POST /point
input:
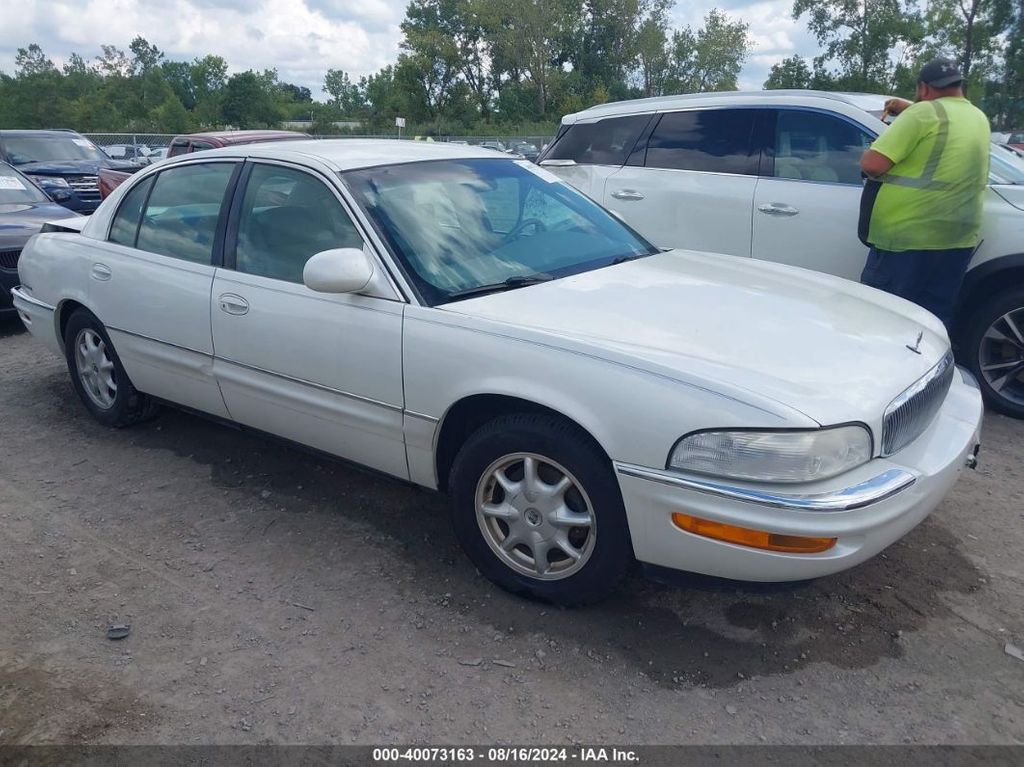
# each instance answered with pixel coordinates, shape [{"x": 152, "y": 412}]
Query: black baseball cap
[{"x": 940, "y": 73}]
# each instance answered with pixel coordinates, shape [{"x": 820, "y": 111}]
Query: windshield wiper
[{"x": 519, "y": 281}]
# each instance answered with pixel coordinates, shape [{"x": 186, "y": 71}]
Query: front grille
[
  {"x": 86, "y": 187},
  {"x": 912, "y": 412},
  {"x": 9, "y": 258}
]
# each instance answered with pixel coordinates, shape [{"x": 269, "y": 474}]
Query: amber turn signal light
[{"x": 757, "y": 539}]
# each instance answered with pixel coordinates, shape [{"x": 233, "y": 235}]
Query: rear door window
[
  {"x": 605, "y": 142},
  {"x": 126, "y": 220},
  {"x": 183, "y": 211},
  {"x": 811, "y": 146},
  {"x": 712, "y": 140}
]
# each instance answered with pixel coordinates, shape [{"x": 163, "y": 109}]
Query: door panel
[
  {"x": 150, "y": 282},
  {"x": 322, "y": 370},
  {"x": 805, "y": 213},
  {"x": 818, "y": 231},
  {"x": 684, "y": 209},
  {"x": 157, "y": 310}
]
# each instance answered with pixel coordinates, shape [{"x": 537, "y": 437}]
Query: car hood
[
  {"x": 73, "y": 167},
  {"x": 19, "y": 221},
  {"x": 831, "y": 349}
]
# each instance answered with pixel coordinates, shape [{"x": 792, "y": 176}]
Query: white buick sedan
[{"x": 465, "y": 321}]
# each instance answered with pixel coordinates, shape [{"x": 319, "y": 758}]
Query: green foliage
[{"x": 789, "y": 73}]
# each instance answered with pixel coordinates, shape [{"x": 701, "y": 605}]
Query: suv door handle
[
  {"x": 777, "y": 209},
  {"x": 233, "y": 304},
  {"x": 627, "y": 194},
  {"x": 101, "y": 272}
]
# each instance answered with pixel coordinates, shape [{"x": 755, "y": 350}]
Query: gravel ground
[{"x": 276, "y": 597}]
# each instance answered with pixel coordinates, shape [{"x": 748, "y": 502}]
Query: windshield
[
  {"x": 460, "y": 225},
  {"x": 15, "y": 188},
  {"x": 1006, "y": 168},
  {"x": 42, "y": 148}
]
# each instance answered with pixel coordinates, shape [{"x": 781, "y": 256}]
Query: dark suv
[{"x": 64, "y": 164}]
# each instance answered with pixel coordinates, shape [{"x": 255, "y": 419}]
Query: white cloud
[{"x": 302, "y": 39}]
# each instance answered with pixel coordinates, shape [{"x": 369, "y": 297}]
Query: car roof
[
  {"x": 350, "y": 154},
  {"x": 867, "y": 101},
  {"x": 227, "y": 137},
  {"x": 52, "y": 132}
]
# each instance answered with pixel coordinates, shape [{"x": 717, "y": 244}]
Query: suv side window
[
  {"x": 605, "y": 142},
  {"x": 178, "y": 146},
  {"x": 183, "y": 209},
  {"x": 712, "y": 140},
  {"x": 812, "y": 146},
  {"x": 286, "y": 217},
  {"x": 125, "y": 226}
]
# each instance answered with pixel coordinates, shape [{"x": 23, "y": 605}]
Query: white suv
[{"x": 775, "y": 175}]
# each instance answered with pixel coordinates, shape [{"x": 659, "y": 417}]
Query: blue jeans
[{"x": 929, "y": 278}]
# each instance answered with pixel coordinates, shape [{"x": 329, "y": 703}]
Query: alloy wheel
[
  {"x": 536, "y": 516},
  {"x": 95, "y": 368}
]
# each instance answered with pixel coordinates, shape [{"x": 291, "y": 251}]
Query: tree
[
  {"x": 970, "y": 30},
  {"x": 709, "y": 59},
  {"x": 32, "y": 61},
  {"x": 653, "y": 55},
  {"x": 145, "y": 56},
  {"x": 113, "y": 62},
  {"x": 297, "y": 93},
  {"x": 789, "y": 73},
  {"x": 526, "y": 39},
  {"x": 859, "y": 35},
  {"x": 248, "y": 100},
  {"x": 347, "y": 96}
]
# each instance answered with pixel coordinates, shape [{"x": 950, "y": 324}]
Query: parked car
[
  {"x": 1016, "y": 140},
  {"x": 497, "y": 146},
  {"x": 64, "y": 164},
  {"x": 775, "y": 175},
  {"x": 465, "y": 322},
  {"x": 137, "y": 153},
  {"x": 199, "y": 142},
  {"x": 525, "y": 149},
  {"x": 23, "y": 210}
]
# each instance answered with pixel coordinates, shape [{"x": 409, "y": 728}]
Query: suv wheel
[
  {"x": 995, "y": 345},
  {"x": 537, "y": 508}
]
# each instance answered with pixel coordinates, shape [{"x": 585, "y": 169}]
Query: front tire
[
  {"x": 994, "y": 344},
  {"x": 98, "y": 375},
  {"x": 536, "y": 507}
]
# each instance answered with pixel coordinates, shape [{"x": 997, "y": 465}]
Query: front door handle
[
  {"x": 100, "y": 272},
  {"x": 627, "y": 194},
  {"x": 233, "y": 304},
  {"x": 777, "y": 209}
]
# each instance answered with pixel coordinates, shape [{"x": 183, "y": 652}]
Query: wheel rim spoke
[
  {"x": 566, "y": 518},
  {"x": 1008, "y": 319},
  {"x": 1000, "y": 382},
  {"x": 562, "y": 541},
  {"x": 540, "y": 551}
]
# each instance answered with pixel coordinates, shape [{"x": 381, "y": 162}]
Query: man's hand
[{"x": 894, "y": 107}]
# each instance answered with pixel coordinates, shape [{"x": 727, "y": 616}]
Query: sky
[{"x": 302, "y": 39}]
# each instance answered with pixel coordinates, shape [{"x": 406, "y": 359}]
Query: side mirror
[{"x": 341, "y": 270}]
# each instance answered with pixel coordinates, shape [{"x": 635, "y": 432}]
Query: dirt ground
[{"x": 276, "y": 597}]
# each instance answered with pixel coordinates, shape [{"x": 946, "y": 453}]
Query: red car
[{"x": 109, "y": 180}]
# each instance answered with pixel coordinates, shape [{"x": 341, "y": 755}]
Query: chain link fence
[{"x": 140, "y": 146}]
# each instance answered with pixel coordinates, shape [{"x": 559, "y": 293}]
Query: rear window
[
  {"x": 714, "y": 140},
  {"x": 605, "y": 142}
]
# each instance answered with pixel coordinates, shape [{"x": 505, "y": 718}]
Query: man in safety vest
[{"x": 922, "y": 205}]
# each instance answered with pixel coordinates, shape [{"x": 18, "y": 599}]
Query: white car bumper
[
  {"x": 37, "y": 317},
  {"x": 866, "y": 510}
]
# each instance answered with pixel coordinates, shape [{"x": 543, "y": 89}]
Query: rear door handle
[
  {"x": 627, "y": 194},
  {"x": 777, "y": 209},
  {"x": 101, "y": 272},
  {"x": 233, "y": 304}
]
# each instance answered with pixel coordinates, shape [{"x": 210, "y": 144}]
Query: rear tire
[
  {"x": 994, "y": 347},
  {"x": 536, "y": 506},
  {"x": 98, "y": 375}
]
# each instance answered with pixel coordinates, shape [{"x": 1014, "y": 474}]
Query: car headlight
[
  {"x": 54, "y": 181},
  {"x": 773, "y": 456}
]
